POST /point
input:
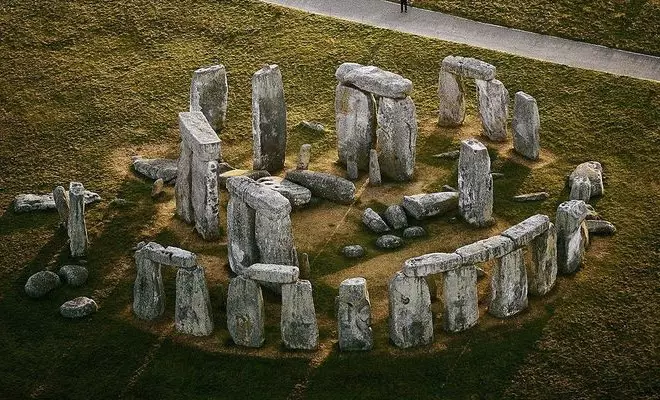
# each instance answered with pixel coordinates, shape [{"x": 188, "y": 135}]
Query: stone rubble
[
  {"x": 414, "y": 232},
  {"x": 39, "y": 284},
  {"x": 389, "y": 242},
  {"x": 395, "y": 216},
  {"x": 78, "y": 308},
  {"x": 353, "y": 251},
  {"x": 73, "y": 275}
]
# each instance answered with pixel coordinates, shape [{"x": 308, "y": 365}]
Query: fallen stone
[
  {"x": 354, "y": 316},
  {"x": 396, "y": 217},
  {"x": 469, "y": 67},
  {"x": 459, "y": 292},
  {"x": 525, "y": 231},
  {"x": 199, "y": 136},
  {"x": 272, "y": 273},
  {"x": 245, "y": 312},
  {"x": 241, "y": 241},
  {"x": 389, "y": 242},
  {"x": 120, "y": 203},
  {"x": 297, "y": 195},
  {"x": 475, "y": 184},
  {"x": 312, "y": 126},
  {"x": 76, "y": 227},
  {"x": 325, "y": 186},
  {"x": 543, "y": 269},
  {"x": 377, "y": 81},
  {"x": 425, "y": 205},
  {"x": 374, "y": 222},
  {"x": 430, "y": 264},
  {"x": 42, "y": 202},
  {"x": 257, "y": 196},
  {"x": 493, "y": 108},
  {"x": 304, "y": 156},
  {"x": 592, "y": 171},
  {"x": 486, "y": 249},
  {"x": 410, "y": 318},
  {"x": 73, "y": 275},
  {"x": 538, "y": 196},
  {"x": 156, "y": 168},
  {"x": 508, "y": 285},
  {"x": 39, "y": 284},
  {"x": 570, "y": 242},
  {"x": 414, "y": 232},
  {"x": 600, "y": 227},
  {"x": 355, "y": 124},
  {"x": 157, "y": 188},
  {"x": 298, "y": 322},
  {"x": 451, "y": 99},
  {"x": 78, "y": 308},
  {"x": 397, "y": 138},
  {"x": 208, "y": 94},
  {"x": 268, "y": 119},
  {"x": 173, "y": 256},
  {"x": 375, "y": 178},
  {"x": 61, "y": 199},
  {"x": 353, "y": 251},
  {"x": 526, "y": 124},
  {"x": 450, "y": 155},
  {"x": 193, "y": 315}
]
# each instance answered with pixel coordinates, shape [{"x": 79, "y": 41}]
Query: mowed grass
[
  {"x": 84, "y": 85},
  {"x": 632, "y": 25}
]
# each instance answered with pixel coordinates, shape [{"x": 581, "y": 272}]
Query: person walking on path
[{"x": 404, "y": 5}]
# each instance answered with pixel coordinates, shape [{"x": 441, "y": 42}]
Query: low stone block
[
  {"x": 272, "y": 273},
  {"x": 460, "y": 301},
  {"x": 410, "y": 318},
  {"x": 389, "y": 242},
  {"x": 39, "y": 284},
  {"x": 325, "y": 186},
  {"x": 427, "y": 205},
  {"x": 73, "y": 275},
  {"x": 298, "y": 324},
  {"x": 245, "y": 312},
  {"x": 414, "y": 232},
  {"x": 156, "y": 168},
  {"x": 354, "y": 316},
  {"x": 525, "y": 231},
  {"x": 374, "y": 222},
  {"x": 486, "y": 249},
  {"x": 469, "y": 67},
  {"x": 353, "y": 251},
  {"x": 41, "y": 202},
  {"x": 600, "y": 227},
  {"x": 432, "y": 263},
  {"x": 193, "y": 314},
  {"x": 508, "y": 285}
]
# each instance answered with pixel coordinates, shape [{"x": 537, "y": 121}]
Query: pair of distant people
[{"x": 404, "y": 5}]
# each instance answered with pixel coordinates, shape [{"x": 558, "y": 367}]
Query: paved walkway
[{"x": 433, "y": 24}]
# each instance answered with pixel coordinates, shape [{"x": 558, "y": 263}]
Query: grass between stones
[{"x": 85, "y": 85}]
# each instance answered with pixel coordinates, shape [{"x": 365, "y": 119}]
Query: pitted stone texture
[
  {"x": 156, "y": 168},
  {"x": 374, "y": 169},
  {"x": 182, "y": 187},
  {"x": 452, "y": 99},
  {"x": 430, "y": 264},
  {"x": 396, "y": 217},
  {"x": 397, "y": 137},
  {"x": 193, "y": 314},
  {"x": 274, "y": 239},
  {"x": 39, "y": 284},
  {"x": 245, "y": 312},
  {"x": 469, "y": 67},
  {"x": 486, "y": 249},
  {"x": 475, "y": 184},
  {"x": 268, "y": 119},
  {"x": 375, "y": 80},
  {"x": 76, "y": 226},
  {"x": 73, "y": 275},
  {"x": 493, "y": 108},
  {"x": 205, "y": 198},
  {"x": 352, "y": 173},
  {"x": 355, "y": 123},
  {"x": 344, "y": 69},
  {"x": 414, "y": 232},
  {"x": 354, "y": 316},
  {"x": 199, "y": 136},
  {"x": 411, "y": 321},
  {"x": 148, "y": 292},
  {"x": 374, "y": 222},
  {"x": 298, "y": 324},
  {"x": 304, "y": 156},
  {"x": 61, "y": 199},
  {"x": 593, "y": 171},
  {"x": 40, "y": 202},
  {"x": 272, "y": 273},
  {"x": 389, "y": 242},
  {"x": 580, "y": 189},
  {"x": 459, "y": 292},
  {"x": 526, "y": 124},
  {"x": 543, "y": 269},
  {"x": 508, "y": 285},
  {"x": 297, "y": 195},
  {"x": 525, "y": 231},
  {"x": 241, "y": 242},
  {"x": 169, "y": 256},
  {"x": 208, "y": 94},
  {"x": 257, "y": 196},
  {"x": 600, "y": 227},
  {"x": 570, "y": 243},
  {"x": 427, "y": 205},
  {"x": 78, "y": 308},
  {"x": 353, "y": 251},
  {"x": 325, "y": 186}
]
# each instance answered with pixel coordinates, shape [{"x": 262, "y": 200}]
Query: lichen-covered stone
[
  {"x": 173, "y": 256},
  {"x": 475, "y": 184},
  {"x": 39, "y": 284},
  {"x": 377, "y": 81},
  {"x": 268, "y": 119},
  {"x": 325, "y": 186},
  {"x": 508, "y": 285},
  {"x": 570, "y": 243},
  {"x": 414, "y": 232},
  {"x": 61, "y": 199},
  {"x": 241, "y": 241},
  {"x": 354, "y": 316},
  {"x": 297, "y": 195},
  {"x": 459, "y": 292},
  {"x": 593, "y": 172},
  {"x": 493, "y": 108},
  {"x": 73, "y": 275},
  {"x": 355, "y": 124},
  {"x": 208, "y": 94},
  {"x": 469, "y": 67},
  {"x": 344, "y": 69},
  {"x": 486, "y": 249},
  {"x": 374, "y": 222},
  {"x": 397, "y": 138},
  {"x": 581, "y": 189},
  {"x": 543, "y": 269},
  {"x": 76, "y": 226},
  {"x": 353, "y": 251},
  {"x": 272, "y": 273},
  {"x": 205, "y": 198},
  {"x": 375, "y": 178},
  {"x": 395, "y": 216},
  {"x": 193, "y": 314},
  {"x": 526, "y": 124},
  {"x": 304, "y": 156},
  {"x": 78, "y": 308},
  {"x": 156, "y": 168},
  {"x": 352, "y": 173},
  {"x": 41, "y": 202},
  {"x": 245, "y": 312},
  {"x": 452, "y": 100},
  {"x": 410, "y": 318},
  {"x": 199, "y": 136},
  {"x": 427, "y": 205},
  {"x": 148, "y": 292},
  {"x": 389, "y": 242},
  {"x": 257, "y": 196},
  {"x": 525, "y": 231},
  {"x": 298, "y": 324},
  {"x": 432, "y": 263},
  {"x": 223, "y": 177},
  {"x": 274, "y": 238}
]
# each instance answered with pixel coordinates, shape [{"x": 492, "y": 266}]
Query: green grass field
[{"x": 84, "y": 85}]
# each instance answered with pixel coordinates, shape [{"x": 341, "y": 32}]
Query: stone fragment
[
  {"x": 61, "y": 199},
  {"x": 450, "y": 155},
  {"x": 245, "y": 312},
  {"x": 526, "y": 124},
  {"x": 199, "y": 136},
  {"x": 397, "y": 137},
  {"x": 493, "y": 108},
  {"x": 297, "y": 195},
  {"x": 410, "y": 318},
  {"x": 223, "y": 177},
  {"x": 352, "y": 173},
  {"x": 305, "y": 268},
  {"x": 304, "y": 156},
  {"x": 593, "y": 171},
  {"x": 182, "y": 186},
  {"x": 241, "y": 242},
  {"x": 374, "y": 169},
  {"x": 39, "y": 284},
  {"x": 312, "y": 126},
  {"x": 156, "y": 168},
  {"x": 268, "y": 119},
  {"x": 78, "y": 308},
  {"x": 475, "y": 184},
  {"x": 38, "y": 202},
  {"x": 76, "y": 226},
  {"x": 298, "y": 324},
  {"x": 325, "y": 186},
  {"x": 581, "y": 189},
  {"x": 414, "y": 232},
  {"x": 389, "y": 242},
  {"x": 570, "y": 243},
  {"x": 600, "y": 227},
  {"x": 193, "y": 314},
  {"x": 353, "y": 251},
  {"x": 377, "y": 81},
  {"x": 538, "y": 196},
  {"x": 274, "y": 238},
  {"x": 173, "y": 256},
  {"x": 374, "y": 222},
  {"x": 272, "y": 273},
  {"x": 73, "y": 275},
  {"x": 148, "y": 292},
  {"x": 257, "y": 196},
  {"x": 543, "y": 269},
  {"x": 508, "y": 285},
  {"x": 425, "y": 205},
  {"x": 208, "y": 94},
  {"x": 355, "y": 124},
  {"x": 430, "y": 264},
  {"x": 486, "y": 249},
  {"x": 157, "y": 188},
  {"x": 451, "y": 99},
  {"x": 468, "y": 67},
  {"x": 354, "y": 316},
  {"x": 525, "y": 231},
  {"x": 460, "y": 301},
  {"x": 396, "y": 217}
]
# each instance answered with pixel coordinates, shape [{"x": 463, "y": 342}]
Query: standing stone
[
  {"x": 355, "y": 121},
  {"x": 570, "y": 243},
  {"x": 208, "y": 94},
  {"x": 459, "y": 291},
  {"x": 148, "y": 292},
  {"x": 411, "y": 321},
  {"x": 304, "y": 156},
  {"x": 354, "y": 316},
  {"x": 395, "y": 216},
  {"x": 475, "y": 184},
  {"x": 241, "y": 242},
  {"x": 183, "y": 181},
  {"x": 526, "y": 124},
  {"x": 352, "y": 173},
  {"x": 305, "y": 269},
  {"x": 245, "y": 312},
  {"x": 62, "y": 204},
  {"x": 268, "y": 119},
  {"x": 76, "y": 226},
  {"x": 298, "y": 324},
  {"x": 493, "y": 108},
  {"x": 452, "y": 99},
  {"x": 205, "y": 198},
  {"x": 508, "y": 285},
  {"x": 543, "y": 269},
  {"x": 274, "y": 238},
  {"x": 581, "y": 189},
  {"x": 397, "y": 137},
  {"x": 193, "y": 313},
  {"x": 374, "y": 169}
]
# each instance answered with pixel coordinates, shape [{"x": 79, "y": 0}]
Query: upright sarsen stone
[
  {"x": 76, "y": 225},
  {"x": 354, "y": 316},
  {"x": 148, "y": 292},
  {"x": 397, "y": 137},
  {"x": 245, "y": 312},
  {"x": 411, "y": 321},
  {"x": 298, "y": 324},
  {"x": 182, "y": 187},
  {"x": 241, "y": 241},
  {"x": 493, "y": 108},
  {"x": 508, "y": 285},
  {"x": 526, "y": 124},
  {"x": 274, "y": 239},
  {"x": 452, "y": 99},
  {"x": 268, "y": 119},
  {"x": 475, "y": 184},
  {"x": 570, "y": 242},
  {"x": 459, "y": 292},
  {"x": 208, "y": 94},
  {"x": 543, "y": 269},
  {"x": 355, "y": 120},
  {"x": 192, "y": 313},
  {"x": 204, "y": 195},
  {"x": 374, "y": 169}
]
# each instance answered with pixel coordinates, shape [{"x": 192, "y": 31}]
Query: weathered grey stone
[
  {"x": 208, "y": 94},
  {"x": 257, "y": 196},
  {"x": 312, "y": 126},
  {"x": 272, "y": 273},
  {"x": 274, "y": 238},
  {"x": 204, "y": 198},
  {"x": 297, "y": 195},
  {"x": 61, "y": 199},
  {"x": 486, "y": 249},
  {"x": 173, "y": 256},
  {"x": 344, "y": 69},
  {"x": 192, "y": 314},
  {"x": 493, "y": 108},
  {"x": 39, "y": 284},
  {"x": 411, "y": 321},
  {"x": 580, "y": 189},
  {"x": 374, "y": 222},
  {"x": 600, "y": 227},
  {"x": 375, "y": 80},
  {"x": 182, "y": 187},
  {"x": 156, "y": 168},
  {"x": 241, "y": 242},
  {"x": 223, "y": 177},
  {"x": 469, "y": 67},
  {"x": 355, "y": 123},
  {"x": 389, "y": 242},
  {"x": 148, "y": 292},
  {"x": 570, "y": 243},
  {"x": 245, "y": 312},
  {"x": 538, "y": 196},
  {"x": 374, "y": 169},
  {"x": 199, "y": 136},
  {"x": 298, "y": 324},
  {"x": 325, "y": 186},
  {"x": 268, "y": 119},
  {"x": 352, "y": 173},
  {"x": 584, "y": 232},
  {"x": 157, "y": 188},
  {"x": 525, "y": 231},
  {"x": 459, "y": 292},
  {"x": 449, "y": 155},
  {"x": 41, "y": 202},
  {"x": 414, "y": 232},
  {"x": 397, "y": 137},
  {"x": 304, "y": 156},
  {"x": 305, "y": 268},
  {"x": 508, "y": 285},
  {"x": 73, "y": 275},
  {"x": 426, "y": 205},
  {"x": 451, "y": 98},
  {"x": 593, "y": 171},
  {"x": 396, "y": 217},
  {"x": 353, "y": 251},
  {"x": 432, "y": 263},
  {"x": 475, "y": 185},
  {"x": 354, "y": 316},
  {"x": 543, "y": 269},
  {"x": 76, "y": 226},
  {"x": 526, "y": 124},
  {"x": 78, "y": 308}
]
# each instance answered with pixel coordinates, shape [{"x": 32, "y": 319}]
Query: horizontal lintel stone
[
  {"x": 433, "y": 263},
  {"x": 272, "y": 273}
]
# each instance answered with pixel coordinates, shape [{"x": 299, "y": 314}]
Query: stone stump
[
  {"x": 193, "y": 313},
  {"x": 475, "y": 184},
  {"x": 298, "y": 324},
  {"x": 493, "y": 108},
  {"x": 304, "y": 156},
  {"x": 354, "y": 316},
  {"x": 397, "y": 137},
  {"x": 61, "y": 199},
  {"x": 508, "y": 285},
  {"x": 355, "y": 122},
  {"x": 410, "y": 319},
  {"x": 543, "y": 269},
  {"x": 268, "y": 119},
  {"x": 570, "y": 242},
  {"x": 459, "y": 291},
  {"x": 452, "y": 100},
  {"x": 208, "y": 94},
  {"x": 148, "y": 292},
  {"x": 76, "y": 225},
  {"x": 526, "y": 124},
  {"x": 245, "y": 312}
]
